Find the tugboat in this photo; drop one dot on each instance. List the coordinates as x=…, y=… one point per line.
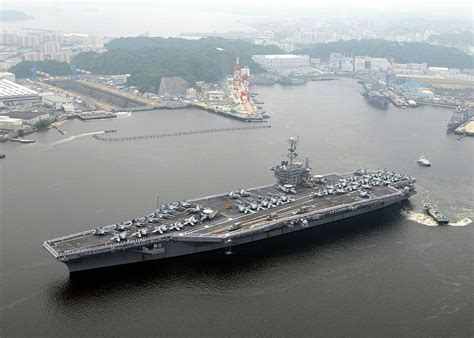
x=432, y=210
x=423, y=161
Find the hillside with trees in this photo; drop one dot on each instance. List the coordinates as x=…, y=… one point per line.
x=56, y=68
x=452, y=38
x=436, y=56
x=150, y=59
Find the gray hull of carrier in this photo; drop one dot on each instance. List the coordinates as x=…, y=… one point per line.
x=297, y=202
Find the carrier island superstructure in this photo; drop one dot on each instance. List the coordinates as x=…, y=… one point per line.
x=296, y=202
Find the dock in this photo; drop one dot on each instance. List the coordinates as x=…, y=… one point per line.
x=466, y=129
x=103, y=93
x=239, y=102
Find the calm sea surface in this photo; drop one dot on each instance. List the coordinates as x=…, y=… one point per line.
x=390, y=273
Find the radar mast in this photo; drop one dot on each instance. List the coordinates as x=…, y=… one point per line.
x=293, y=172
x=292, y=149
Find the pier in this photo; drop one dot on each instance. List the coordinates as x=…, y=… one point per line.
x=466, y=128
x=100, y=137
x=107, y=93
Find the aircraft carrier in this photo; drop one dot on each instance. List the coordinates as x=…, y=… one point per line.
x=297, y=201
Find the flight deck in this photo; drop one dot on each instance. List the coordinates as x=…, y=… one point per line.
x=228, y=214
x=298, y=200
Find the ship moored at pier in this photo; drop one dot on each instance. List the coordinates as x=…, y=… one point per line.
x=297, y=201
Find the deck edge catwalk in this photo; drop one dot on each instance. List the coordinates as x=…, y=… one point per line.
x=297, y=201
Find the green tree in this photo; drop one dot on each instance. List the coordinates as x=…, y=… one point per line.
x=437, y=56
x=150, y=59
x=42, y=124
x=53, y=67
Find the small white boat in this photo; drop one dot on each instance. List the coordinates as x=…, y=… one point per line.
x=423, y=161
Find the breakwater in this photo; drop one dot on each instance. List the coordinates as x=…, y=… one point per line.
x=101, y=137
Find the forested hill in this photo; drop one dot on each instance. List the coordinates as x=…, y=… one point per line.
x=435, y=56
x=52, y=67
x=150, y=59
x=453, y=38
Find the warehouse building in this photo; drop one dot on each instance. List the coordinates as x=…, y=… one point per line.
x=416, y=90
x=282, y=63
x=12, y=93
x=28, y=117
x=55, y=101
x=7, y=76
x=9, y=125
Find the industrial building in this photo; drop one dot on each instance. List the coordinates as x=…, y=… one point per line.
x=283, y=63
x=9, y=124
x=55, y=101
x=362, y=63
x=12, y=93
x=379, y=63
x=68, y=107
x=191, y=93
x=7, y=63
x=215, y=95
x=409, y=68
x=7, y=76
x=28, y=117
x=340, y=63
x=415, y=90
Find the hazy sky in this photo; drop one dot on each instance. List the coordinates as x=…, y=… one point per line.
x=462, y=6
x=173, y=17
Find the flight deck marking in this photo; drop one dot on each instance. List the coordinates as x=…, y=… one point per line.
x=250, y=222
x=253, y=219
x=219, y=230
x=215, y=224
x=259, y=220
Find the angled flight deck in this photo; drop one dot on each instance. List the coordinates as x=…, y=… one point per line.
x=296, y=202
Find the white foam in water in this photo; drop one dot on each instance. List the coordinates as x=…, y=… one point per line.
x=74, y=137
x=420, y=218
x=461, y=222
x=427, y=220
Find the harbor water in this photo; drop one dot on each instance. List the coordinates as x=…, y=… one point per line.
x=390, y=273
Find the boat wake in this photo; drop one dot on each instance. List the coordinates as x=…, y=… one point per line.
x=464, y=214
x=420, y=218
x=424, y=219
x=461, y=223
x=74, y=137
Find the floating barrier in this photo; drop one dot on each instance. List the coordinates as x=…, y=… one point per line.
x=100, y=137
